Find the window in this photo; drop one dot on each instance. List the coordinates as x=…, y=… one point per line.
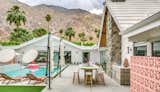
x=156, y=49
x=140, y=51
x=42, y=57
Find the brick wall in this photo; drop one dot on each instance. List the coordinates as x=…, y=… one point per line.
x=145, y=74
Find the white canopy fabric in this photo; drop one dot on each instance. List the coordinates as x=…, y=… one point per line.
x=7, y=55
x=62, y=59
x=29, y=56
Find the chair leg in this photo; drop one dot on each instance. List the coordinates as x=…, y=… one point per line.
x=85, y=80
x=78, y=78
x=73, y=78
x=96, y=76
x=85, y=77
x=103, y=79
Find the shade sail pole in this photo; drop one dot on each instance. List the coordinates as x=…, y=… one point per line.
x=49, y=62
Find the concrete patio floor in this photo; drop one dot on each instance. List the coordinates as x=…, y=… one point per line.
x=64, y=84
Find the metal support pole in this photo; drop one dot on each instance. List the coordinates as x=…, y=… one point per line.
x=49, y=63
x=49, y=85
x=59, y=66
x=47, y=56
x=48, y=68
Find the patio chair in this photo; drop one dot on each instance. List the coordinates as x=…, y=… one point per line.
x=6, y=77
x=34, y=78
x=88, y=78
x=100, y=76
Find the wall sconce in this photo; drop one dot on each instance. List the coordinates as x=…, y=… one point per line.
x=129, y=49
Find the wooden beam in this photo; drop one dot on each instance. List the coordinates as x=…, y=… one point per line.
x=103, y=39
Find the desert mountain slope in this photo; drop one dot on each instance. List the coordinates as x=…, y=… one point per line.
x=80, y=20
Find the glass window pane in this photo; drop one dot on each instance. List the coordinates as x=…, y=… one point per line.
x=156, y=49
x=140, y=51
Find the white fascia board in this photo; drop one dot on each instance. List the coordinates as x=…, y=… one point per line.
x=143, y=29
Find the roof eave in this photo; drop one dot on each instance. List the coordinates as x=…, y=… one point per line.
x=141, y=23
x=114, y=17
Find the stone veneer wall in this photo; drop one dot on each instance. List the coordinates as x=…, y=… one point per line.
x=113, y=53
x=145, y=74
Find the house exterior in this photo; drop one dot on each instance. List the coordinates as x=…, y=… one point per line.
x=74, y=54
x=129, y=28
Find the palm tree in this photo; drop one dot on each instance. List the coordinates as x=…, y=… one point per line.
x=16, y=16
x=70, y=33
x=48, y=19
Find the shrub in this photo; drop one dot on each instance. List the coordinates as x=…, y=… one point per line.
x=61, y=31
x=77, y=43
x=20, y=35
x=8, y=43
x=39, y=32
x=90, y=38
x=85, y=43
x=88, y=43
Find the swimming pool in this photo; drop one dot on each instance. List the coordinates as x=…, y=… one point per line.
x=41, y=72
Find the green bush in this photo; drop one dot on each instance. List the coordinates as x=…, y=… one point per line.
x=88, y=43
x=85, y=43
x=9, y=43
x=77, y=43
x=20, y=35
x=39, y=32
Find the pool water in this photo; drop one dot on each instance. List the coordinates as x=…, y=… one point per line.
x=41, y=72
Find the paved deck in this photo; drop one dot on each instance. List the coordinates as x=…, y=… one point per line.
x=64, y=84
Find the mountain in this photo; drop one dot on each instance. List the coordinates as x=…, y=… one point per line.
x=80, y=20
x=88, y=5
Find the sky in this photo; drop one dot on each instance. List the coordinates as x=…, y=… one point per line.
x=93, y=6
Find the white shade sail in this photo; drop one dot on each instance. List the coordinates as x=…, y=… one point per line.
x=7, y=55
x=62, y=59
x=29, y=56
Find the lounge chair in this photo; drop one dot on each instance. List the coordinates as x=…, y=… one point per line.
x=6, y=77
x=34, y=78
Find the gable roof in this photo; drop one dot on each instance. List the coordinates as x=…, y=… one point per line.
x=53, y=37
x=127, y=14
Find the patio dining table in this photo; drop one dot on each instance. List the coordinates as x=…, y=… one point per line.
x=87, y=67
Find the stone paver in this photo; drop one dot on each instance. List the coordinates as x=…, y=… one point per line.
x=64, y=84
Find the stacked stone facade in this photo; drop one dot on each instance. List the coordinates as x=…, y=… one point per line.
x=113, y=53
